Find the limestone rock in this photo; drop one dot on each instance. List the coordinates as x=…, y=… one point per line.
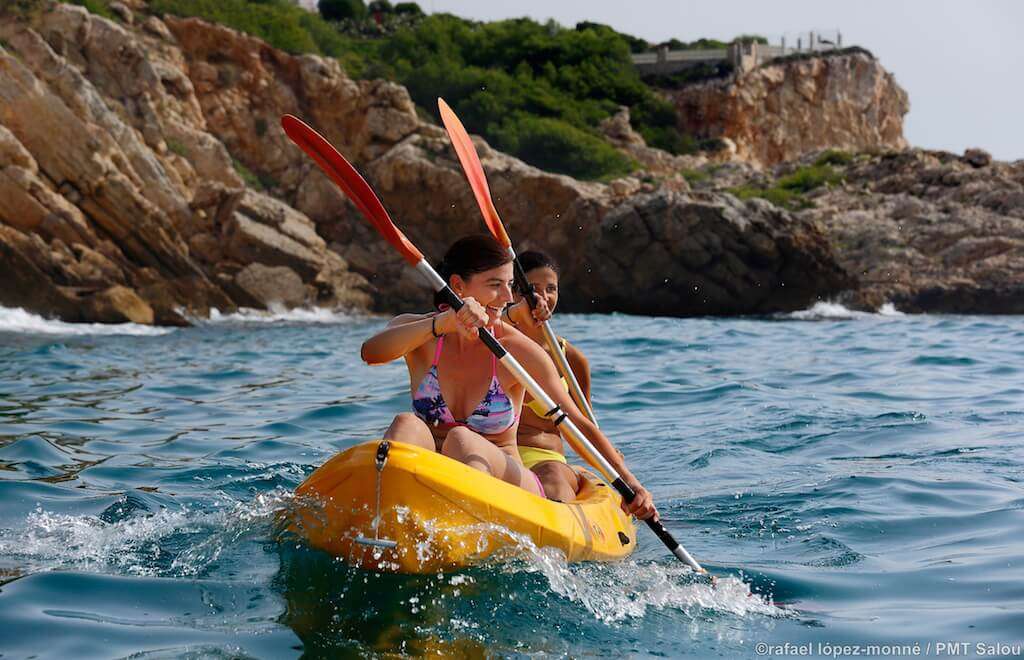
x=113, y=181
x=119, y=304
x=781, y=111
x=267, y=285
x=267, y=231
x=978, y=157
x=929, y=232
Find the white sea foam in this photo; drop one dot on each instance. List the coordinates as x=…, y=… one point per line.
x=830, y=311
x=18, y=320
x=888, y=309
x=628, y=589
x=138, y=545
x=278, y=314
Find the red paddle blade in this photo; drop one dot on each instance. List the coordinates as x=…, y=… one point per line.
x=474, y=172
x=351, y=183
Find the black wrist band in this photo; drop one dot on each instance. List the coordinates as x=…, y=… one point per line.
x=433, y=326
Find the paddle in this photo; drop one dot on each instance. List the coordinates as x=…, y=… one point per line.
x=356, y=189
x=478, y=182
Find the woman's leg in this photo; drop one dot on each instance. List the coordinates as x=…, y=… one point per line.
x=478, y=452
x=560, y=481
x=410, y=429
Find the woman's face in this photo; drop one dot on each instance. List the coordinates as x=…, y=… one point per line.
x=491, y=288
x=545, y=283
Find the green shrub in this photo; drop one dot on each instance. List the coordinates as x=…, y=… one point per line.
x=777, y=196
x=176, y=147
x=280, y=23
x=788, y=191
x=494, y=73
x=834, y=157
x=247, y=175
x=636, y=45
x=555, y=145
x=691, y=74
x=410, y=8
x=339, y=10
x=751, y=38
x=695, y=176
x=808, y=178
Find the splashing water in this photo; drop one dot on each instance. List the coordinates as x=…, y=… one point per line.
x=185, y=542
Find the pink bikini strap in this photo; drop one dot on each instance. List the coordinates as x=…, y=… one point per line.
x=437, y=351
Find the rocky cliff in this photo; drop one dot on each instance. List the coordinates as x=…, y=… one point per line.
x=143, y=174
x=928, y=231
x=787, y=108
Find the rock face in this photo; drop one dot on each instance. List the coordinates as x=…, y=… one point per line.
x=930, y=231
x=782, y=111
x=143, y=171
x=119, y=203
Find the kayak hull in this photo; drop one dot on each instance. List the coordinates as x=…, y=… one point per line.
x=442, y=515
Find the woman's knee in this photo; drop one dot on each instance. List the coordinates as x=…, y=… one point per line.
x=559, y=480
x=409, y=428
x=468, y=447
x=458, y=440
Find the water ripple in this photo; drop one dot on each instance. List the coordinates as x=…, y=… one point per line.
x=860, y=469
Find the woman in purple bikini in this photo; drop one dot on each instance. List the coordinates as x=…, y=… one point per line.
x=466, y=405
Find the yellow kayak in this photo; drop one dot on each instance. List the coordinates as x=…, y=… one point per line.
x=423, y=513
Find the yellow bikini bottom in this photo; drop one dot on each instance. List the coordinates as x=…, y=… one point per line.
x=533, y=455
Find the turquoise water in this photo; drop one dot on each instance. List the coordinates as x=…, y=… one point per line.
x=861, y=474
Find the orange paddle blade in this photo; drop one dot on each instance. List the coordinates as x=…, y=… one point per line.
x=474, y=172
x=351, y=183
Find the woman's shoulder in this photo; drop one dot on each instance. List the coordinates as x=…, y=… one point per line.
x=515, y=341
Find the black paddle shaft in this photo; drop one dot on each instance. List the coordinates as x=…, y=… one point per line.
x=523, y=284
x=628, y=495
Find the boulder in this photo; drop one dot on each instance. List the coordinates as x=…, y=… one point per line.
x=266, y=285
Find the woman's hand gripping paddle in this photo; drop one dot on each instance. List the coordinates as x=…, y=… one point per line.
x=478, y=182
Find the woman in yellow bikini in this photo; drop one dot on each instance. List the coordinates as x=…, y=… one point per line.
x=540, y=445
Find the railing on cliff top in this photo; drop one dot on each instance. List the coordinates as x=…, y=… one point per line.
x=744, y=56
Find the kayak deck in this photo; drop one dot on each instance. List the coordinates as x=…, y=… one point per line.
x=443, y=515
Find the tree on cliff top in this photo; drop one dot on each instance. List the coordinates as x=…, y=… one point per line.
x=339, y=10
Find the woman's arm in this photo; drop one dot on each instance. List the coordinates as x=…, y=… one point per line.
x=407, y=332
x=403, y=334
x=580, y=368
x=539, y=365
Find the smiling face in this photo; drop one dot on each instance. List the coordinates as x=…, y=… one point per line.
x=491, y=288
x=545, y=283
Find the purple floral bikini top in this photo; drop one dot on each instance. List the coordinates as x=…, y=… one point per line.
x=492, y=415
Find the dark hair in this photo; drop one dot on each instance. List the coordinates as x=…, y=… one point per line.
x=536, y=259
x=471, y=255
x=532, y=259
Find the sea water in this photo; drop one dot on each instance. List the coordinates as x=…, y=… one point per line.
x=855, y=481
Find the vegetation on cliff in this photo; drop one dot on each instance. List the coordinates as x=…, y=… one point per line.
x=789, y=190
x=537, y=91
